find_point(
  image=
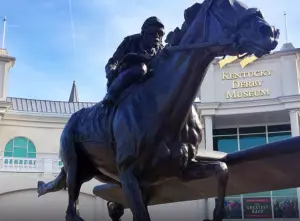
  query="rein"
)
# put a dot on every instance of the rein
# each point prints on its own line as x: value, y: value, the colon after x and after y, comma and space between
x: 197, y: 46
x: 203, y: 45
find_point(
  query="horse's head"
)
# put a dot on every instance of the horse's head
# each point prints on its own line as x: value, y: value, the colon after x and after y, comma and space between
x: 229, y: 25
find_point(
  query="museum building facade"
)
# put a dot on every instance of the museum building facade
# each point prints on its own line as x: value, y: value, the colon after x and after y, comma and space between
x: 242, y: 106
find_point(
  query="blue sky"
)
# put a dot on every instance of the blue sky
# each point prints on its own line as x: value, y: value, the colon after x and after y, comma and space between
x: 55, y: 44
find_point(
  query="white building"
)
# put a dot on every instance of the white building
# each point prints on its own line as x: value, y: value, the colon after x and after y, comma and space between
x: 241, y: 108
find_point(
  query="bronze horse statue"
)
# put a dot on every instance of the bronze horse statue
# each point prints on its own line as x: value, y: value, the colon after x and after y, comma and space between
x: 150, y: 135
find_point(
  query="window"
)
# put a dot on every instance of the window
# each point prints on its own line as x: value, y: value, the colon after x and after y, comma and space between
x: 285, y: 203
x: 253, y: 140
x: 259, y: 207
x: 227, y: 144
x: 273, y: 137
x: 233, y: 208
x: 271, y: 204
x: 250, y: 137
x: 19, y: 147
x: 226, y: 140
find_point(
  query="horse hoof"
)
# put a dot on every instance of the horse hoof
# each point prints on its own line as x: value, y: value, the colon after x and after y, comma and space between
x: 40, y: 188
x: 73, y: 218
x: 78, y: 218
x: 115, y: 211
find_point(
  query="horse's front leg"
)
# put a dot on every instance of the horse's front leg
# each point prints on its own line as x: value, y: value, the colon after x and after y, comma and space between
x: 201, y: 170
x: 133, y: 193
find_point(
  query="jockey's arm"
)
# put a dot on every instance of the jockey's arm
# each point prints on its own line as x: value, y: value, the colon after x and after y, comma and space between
x: 115, y: 59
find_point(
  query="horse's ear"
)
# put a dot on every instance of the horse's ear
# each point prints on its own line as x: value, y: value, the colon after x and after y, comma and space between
x: 196, y: 11
x: 191, y: 12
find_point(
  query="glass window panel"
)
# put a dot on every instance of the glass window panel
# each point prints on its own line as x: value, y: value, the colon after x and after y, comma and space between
x: 31, y: 155
x: 20, y: 142
x: 250, y: 141
x: 285, y: 207
x: 235, y: 196
x: 278, y: 136
x: 9, y: 146
x: 227, y: 144
x: 285, y: 192
x: 257, y: 208
x: 8, y: 154
x: 259, y: 194
x: 31, y: 147
x: 20, y: 152
x: 252, y: 130
x: 233, y: 208
x: 227, y: 131
x: 277, y: 128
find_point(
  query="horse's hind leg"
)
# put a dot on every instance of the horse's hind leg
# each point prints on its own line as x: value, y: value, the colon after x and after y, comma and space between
x: 70, y: 161
x: 55, y: 185
x: 200, y: 170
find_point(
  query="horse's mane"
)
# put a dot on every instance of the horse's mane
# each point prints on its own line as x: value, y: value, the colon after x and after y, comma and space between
x: 174, y: 37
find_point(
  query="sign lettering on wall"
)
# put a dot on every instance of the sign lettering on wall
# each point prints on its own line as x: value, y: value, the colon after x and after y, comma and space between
x: 257, y: 208
x: 244, y: 86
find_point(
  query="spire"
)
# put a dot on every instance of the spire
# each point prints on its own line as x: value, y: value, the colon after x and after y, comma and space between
x: 287, y: 45
x: 285, y: 28
x: 73, y: 95
x: 3, y: 33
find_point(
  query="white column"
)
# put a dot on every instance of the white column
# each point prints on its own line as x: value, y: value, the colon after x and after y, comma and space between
x: 208, y: 127
x: 294, y: 119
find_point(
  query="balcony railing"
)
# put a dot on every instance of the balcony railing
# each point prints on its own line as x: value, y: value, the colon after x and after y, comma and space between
x: 30, y: 165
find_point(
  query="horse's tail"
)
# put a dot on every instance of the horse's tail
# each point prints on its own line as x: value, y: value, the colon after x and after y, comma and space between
x: 60, y: 181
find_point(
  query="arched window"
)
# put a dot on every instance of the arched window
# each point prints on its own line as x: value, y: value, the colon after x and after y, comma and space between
x: 20, y: 147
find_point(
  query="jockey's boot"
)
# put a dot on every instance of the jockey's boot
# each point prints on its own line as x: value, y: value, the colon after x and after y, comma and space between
x: 124, y: 80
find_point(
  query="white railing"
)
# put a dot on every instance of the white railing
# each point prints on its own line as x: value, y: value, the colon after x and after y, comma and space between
x: 30, y: 165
